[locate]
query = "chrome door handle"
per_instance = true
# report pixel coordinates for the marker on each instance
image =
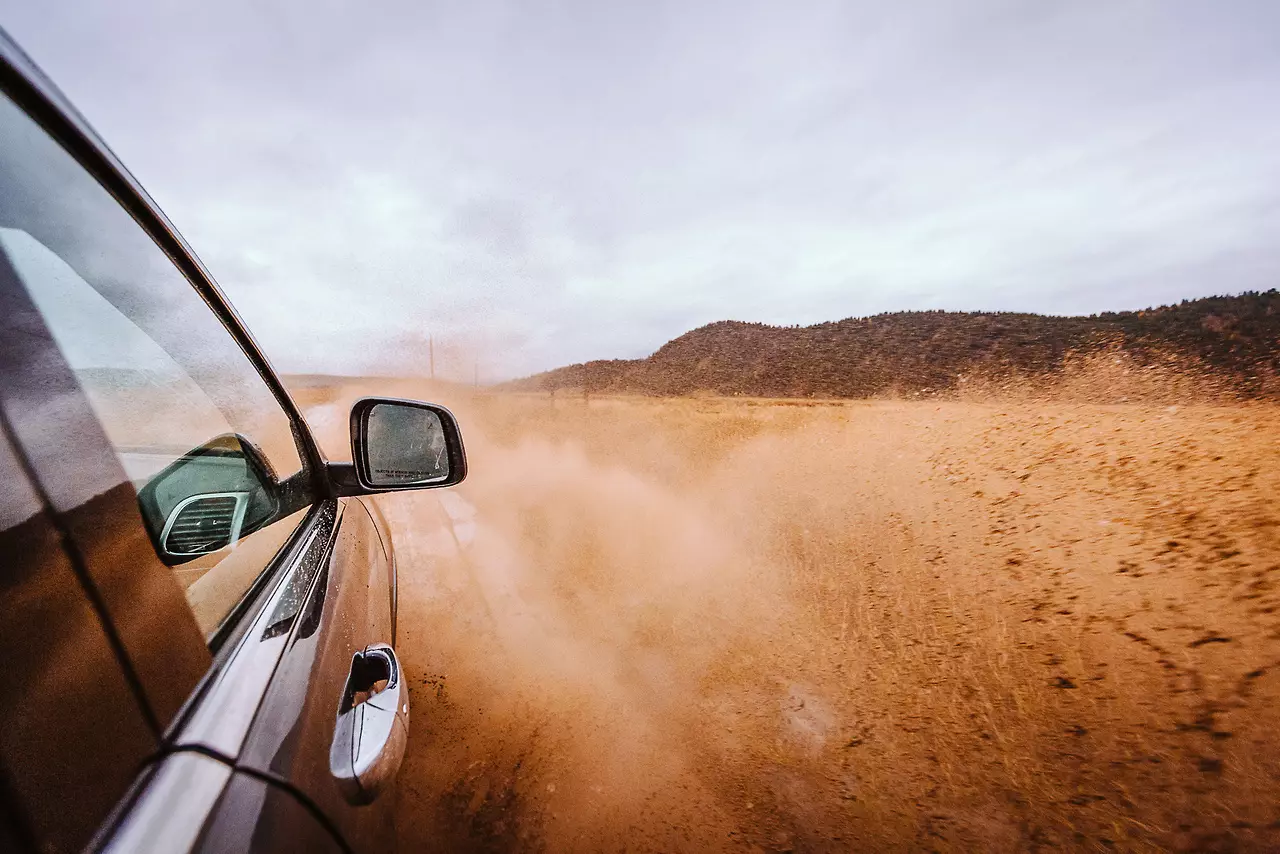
(372, 727)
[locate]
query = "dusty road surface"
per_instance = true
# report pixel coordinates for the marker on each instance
(692, 625)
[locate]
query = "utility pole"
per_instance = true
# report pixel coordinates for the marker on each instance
(431, 349)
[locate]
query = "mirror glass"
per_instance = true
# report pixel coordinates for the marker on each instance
(405, 446)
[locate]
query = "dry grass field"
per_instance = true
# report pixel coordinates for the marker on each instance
(709, 624)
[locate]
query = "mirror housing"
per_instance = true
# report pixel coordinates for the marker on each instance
(404, 444)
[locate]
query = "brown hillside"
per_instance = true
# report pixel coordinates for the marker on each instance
(1236, 339)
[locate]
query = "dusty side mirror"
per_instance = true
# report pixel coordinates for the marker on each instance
(208, 499)
(405, 444)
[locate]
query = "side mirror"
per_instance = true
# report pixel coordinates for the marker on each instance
(208, 499)
(405, 444)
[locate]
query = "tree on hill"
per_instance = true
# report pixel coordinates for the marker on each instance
(1237, 338)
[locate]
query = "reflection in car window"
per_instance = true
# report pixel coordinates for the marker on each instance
(197, 431)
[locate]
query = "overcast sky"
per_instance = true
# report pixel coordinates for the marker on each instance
(551, 182)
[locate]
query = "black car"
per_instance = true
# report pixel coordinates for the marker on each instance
(197, 609)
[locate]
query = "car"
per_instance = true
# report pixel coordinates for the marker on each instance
(197, 608)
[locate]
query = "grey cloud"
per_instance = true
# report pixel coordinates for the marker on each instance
(582, 180)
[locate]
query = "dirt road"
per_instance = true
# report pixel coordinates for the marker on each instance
(742, 625)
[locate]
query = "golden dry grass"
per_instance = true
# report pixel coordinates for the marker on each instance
(766, 625)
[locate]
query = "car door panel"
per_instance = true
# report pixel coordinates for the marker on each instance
(195, 803)
(183, 805)
(293, 736)
(229, 704)
(178, 793)
(380, 576)
(254, 815)
(71, 721)
(388, 554)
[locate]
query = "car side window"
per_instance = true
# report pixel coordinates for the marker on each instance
(207, 447)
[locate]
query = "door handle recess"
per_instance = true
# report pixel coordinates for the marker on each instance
(373, 725)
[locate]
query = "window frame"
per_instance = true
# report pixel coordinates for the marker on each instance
(32, 92)
(35, 95)
(45, 105)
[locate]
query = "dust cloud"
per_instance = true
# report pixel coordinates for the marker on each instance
(745, 625)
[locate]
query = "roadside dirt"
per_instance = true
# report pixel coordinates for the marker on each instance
(669, 625)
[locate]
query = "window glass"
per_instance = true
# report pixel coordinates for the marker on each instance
(199, 434)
